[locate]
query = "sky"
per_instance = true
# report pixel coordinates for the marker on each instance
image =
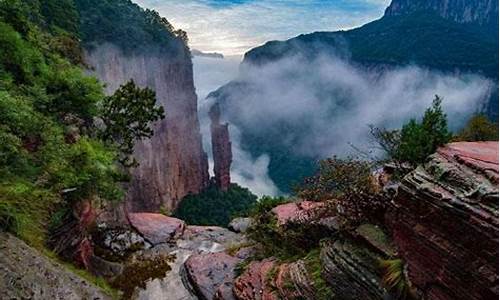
(232, 27)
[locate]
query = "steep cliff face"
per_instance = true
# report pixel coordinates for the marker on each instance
(461, 11)
(172, 163)
(221, 148)
(445, 223)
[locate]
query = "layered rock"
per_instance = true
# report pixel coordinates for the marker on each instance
(351, 270)
(221, 149)
(477, 11)
(445, 223)
(172, 163)
(27, 274)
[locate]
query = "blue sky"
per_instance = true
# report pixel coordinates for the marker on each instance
(232, 27)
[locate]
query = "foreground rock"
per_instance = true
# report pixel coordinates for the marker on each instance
(254, 283)
(351, 270)
(195, 241)
(27, 274)
(211, 273)
(303, 211)
(240, 224)
(445, 223)
(156, 228)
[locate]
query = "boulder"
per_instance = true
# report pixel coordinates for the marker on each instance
(253, 284)
(27, 274)
(444, 222)
(156, 228)
(195, 240)
(240, 224)
(303, 211)
(211, 273)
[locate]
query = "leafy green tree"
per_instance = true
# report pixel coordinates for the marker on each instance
(416, 140)
(478, 128)
(127, 115)
(419, 140)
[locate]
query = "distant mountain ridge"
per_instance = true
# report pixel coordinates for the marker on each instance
(448, 36)
(461, 11)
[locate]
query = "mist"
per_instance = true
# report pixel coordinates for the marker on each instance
(327, 104)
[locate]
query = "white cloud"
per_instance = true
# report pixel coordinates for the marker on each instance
(234, 29)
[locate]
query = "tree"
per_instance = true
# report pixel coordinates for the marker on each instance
(419, 140)
(479, 128)
(415, 141)
(127, 115)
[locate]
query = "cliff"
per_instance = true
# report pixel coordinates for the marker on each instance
(221, 148)
(172, 163)
(483, 12)
(122, 41)
(445, 223)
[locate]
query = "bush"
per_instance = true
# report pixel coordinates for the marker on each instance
(478, 128)
(416, 140)
(348, 188)
(214, 207)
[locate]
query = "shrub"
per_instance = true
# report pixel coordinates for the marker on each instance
(478, 128)
(416, 140)
(348, 188)
(214, 207)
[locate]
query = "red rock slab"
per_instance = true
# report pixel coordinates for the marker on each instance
(210, 274)
(482, 156)
(156, 228)
(295, 211)
(253, 285)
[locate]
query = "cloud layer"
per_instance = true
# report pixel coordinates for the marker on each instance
(327, 104)
(233, 27)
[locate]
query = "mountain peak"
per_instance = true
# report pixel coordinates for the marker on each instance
(482, 12)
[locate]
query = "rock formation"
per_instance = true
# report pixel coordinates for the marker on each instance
(27, 274)
(172, 163)
(445, 223)
(221, 149)
(470, 11)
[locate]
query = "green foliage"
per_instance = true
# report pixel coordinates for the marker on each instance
(416, 140)
(478, 128)
(214, 207)
(419, 140)
(61, 14)
(128, 26)
(394, 279)
(314, 269)
(47, 138)
(127, 115)
(286, 242)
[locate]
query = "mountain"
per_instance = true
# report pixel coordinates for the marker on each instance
(483, 12)
(451, 37)
(123, 41)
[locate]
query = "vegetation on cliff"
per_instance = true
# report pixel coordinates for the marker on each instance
(52, 153)
(215, 207)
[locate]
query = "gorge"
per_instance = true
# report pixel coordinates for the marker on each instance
(415, 218)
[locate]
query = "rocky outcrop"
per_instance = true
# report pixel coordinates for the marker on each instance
(172, 163)
(221, 149)
(27, 274)
(210, 274)
(469, 11)
(351, 270)
(156, 228)
(303, 211)
(253, 284)
(293, 281)
(239, 224)
(445, 223)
